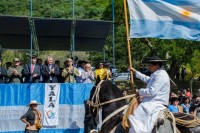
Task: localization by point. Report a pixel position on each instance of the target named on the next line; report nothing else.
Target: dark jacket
(26, 72)
(29, 116)
(3, 74)
(50, 77)
(60, 78)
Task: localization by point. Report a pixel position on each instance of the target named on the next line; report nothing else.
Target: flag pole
(128, 44)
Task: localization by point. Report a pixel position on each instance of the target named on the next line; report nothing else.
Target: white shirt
(87, 77)
(155, 96)
(158, 87)
(78, 79)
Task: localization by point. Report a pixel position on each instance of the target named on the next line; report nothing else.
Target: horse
(108, 92)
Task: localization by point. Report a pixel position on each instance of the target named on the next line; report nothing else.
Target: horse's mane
(107, 88)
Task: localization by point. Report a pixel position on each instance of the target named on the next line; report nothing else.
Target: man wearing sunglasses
(14, 73)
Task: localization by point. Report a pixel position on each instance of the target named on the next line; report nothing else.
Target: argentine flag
(71, 111)
(165, 19)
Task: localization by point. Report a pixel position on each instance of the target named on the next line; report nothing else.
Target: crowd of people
(74, 71)
(184, 102)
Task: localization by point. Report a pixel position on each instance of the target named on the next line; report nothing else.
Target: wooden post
(128, 43)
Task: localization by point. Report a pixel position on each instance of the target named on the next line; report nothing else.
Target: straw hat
(33, 102)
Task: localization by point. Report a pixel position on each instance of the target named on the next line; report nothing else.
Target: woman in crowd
(32, 118)
(186, 104)
(188, 93)
(67, 73)
(87, 75)
(100, 73)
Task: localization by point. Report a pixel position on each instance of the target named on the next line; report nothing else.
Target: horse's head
(99, 96)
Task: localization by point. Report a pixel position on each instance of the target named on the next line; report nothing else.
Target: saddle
(181, 119)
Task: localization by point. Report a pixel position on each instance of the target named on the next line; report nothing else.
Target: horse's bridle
(98, 104)
(97, 101)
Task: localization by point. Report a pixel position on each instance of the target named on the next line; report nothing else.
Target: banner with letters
(51, 104)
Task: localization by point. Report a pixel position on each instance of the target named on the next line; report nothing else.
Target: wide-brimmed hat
(154, 59)
(33, 102)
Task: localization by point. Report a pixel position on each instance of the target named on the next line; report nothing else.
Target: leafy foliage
(178, 52)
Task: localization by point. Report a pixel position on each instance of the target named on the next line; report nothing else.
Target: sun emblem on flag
(186, 13)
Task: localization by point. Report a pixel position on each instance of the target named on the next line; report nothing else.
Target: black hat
(106, 63)
(82, 61)
(75, 58)
(34, 56)
(29, 55)
(174, 99)
(154, 59)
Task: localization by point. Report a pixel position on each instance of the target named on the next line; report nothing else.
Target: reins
(110, 101)
(97, 103)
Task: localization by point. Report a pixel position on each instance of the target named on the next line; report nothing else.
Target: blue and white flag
(15, 97)
(166, 19)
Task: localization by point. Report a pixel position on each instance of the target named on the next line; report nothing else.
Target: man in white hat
(154, 97)
(32, 118)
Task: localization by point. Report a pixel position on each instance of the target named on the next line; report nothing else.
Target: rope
(110, 101)
(173, 122)
(97, 103)
(114, 113)
(188, 123)
(97, 100)
(185, 123)
(96, 96)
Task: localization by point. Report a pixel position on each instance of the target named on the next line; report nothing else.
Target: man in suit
(31, 72)
(2, 74)
(39, 62)
(50, 71)
(60, 78)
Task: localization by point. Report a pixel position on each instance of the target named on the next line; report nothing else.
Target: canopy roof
(53, 34)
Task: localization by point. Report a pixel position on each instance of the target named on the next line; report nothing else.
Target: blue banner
(14, 99)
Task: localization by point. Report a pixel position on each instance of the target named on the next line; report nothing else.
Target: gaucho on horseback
(155, 96)
(107, 111)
